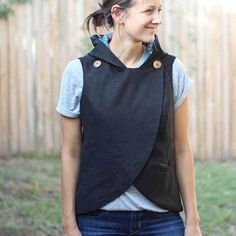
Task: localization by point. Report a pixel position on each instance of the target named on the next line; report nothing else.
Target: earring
(120, 21)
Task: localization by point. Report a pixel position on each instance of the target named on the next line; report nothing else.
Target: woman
(126, 153)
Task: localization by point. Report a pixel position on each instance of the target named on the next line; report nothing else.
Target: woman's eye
(149, 10)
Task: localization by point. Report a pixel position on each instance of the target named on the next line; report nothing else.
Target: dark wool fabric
(127, 118)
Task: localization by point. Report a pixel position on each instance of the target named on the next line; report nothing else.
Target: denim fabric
(145, 223)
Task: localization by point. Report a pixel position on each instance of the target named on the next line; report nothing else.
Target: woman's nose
(157, 19)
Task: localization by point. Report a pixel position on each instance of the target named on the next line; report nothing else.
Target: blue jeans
(115, 223)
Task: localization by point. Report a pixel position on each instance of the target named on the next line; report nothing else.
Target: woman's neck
(129, 53)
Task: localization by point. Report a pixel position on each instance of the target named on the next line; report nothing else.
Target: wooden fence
(39, 39)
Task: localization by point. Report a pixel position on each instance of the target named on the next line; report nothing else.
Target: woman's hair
(102, 17)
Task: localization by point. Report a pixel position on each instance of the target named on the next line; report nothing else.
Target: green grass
(30, 196)
(216, 188)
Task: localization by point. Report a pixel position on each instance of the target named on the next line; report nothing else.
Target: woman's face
(142, 19)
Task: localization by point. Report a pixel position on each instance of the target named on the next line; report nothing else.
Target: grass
(216, 190)
(30, 196)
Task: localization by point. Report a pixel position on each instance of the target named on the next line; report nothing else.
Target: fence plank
(30, 81)
(4, 90)
(216, 45)
(2, 44)
(232, 51)
(38, 8)
(209, 78)
(225, 84)
(56, 71)
(21, 77)
(47, 80)
(13, 50)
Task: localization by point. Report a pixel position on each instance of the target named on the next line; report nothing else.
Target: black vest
(127, 118)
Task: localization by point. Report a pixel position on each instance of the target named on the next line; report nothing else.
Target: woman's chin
(149, 39)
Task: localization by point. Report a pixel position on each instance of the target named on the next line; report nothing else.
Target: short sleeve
(182, 84)
(71, 90)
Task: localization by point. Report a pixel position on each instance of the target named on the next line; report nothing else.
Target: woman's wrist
(69, 222)
(69, 227)
(193, 219)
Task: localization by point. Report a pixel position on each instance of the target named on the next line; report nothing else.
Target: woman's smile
(151, 29)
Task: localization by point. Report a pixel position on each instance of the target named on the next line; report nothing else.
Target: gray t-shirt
(69, 105)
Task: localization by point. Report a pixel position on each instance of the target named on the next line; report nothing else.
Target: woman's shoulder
(178, 65)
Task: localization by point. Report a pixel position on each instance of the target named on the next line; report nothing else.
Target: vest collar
(102, 52)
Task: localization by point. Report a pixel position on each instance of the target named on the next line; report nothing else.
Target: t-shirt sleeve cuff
(67, 113)
(186, 91)
(182, 84)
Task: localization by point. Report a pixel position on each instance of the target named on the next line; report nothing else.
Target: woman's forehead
(148, 2)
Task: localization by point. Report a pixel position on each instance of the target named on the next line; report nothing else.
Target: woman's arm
(70, 163)
(185, 166)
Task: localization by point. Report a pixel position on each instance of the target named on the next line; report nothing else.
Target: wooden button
(157, 64)
(97, 63)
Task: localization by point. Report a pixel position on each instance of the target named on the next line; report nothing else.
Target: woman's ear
(117, 14)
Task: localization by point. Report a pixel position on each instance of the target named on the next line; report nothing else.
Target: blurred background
(37, 40)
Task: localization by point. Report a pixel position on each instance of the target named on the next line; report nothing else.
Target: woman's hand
(72, 232)
(192, 225)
